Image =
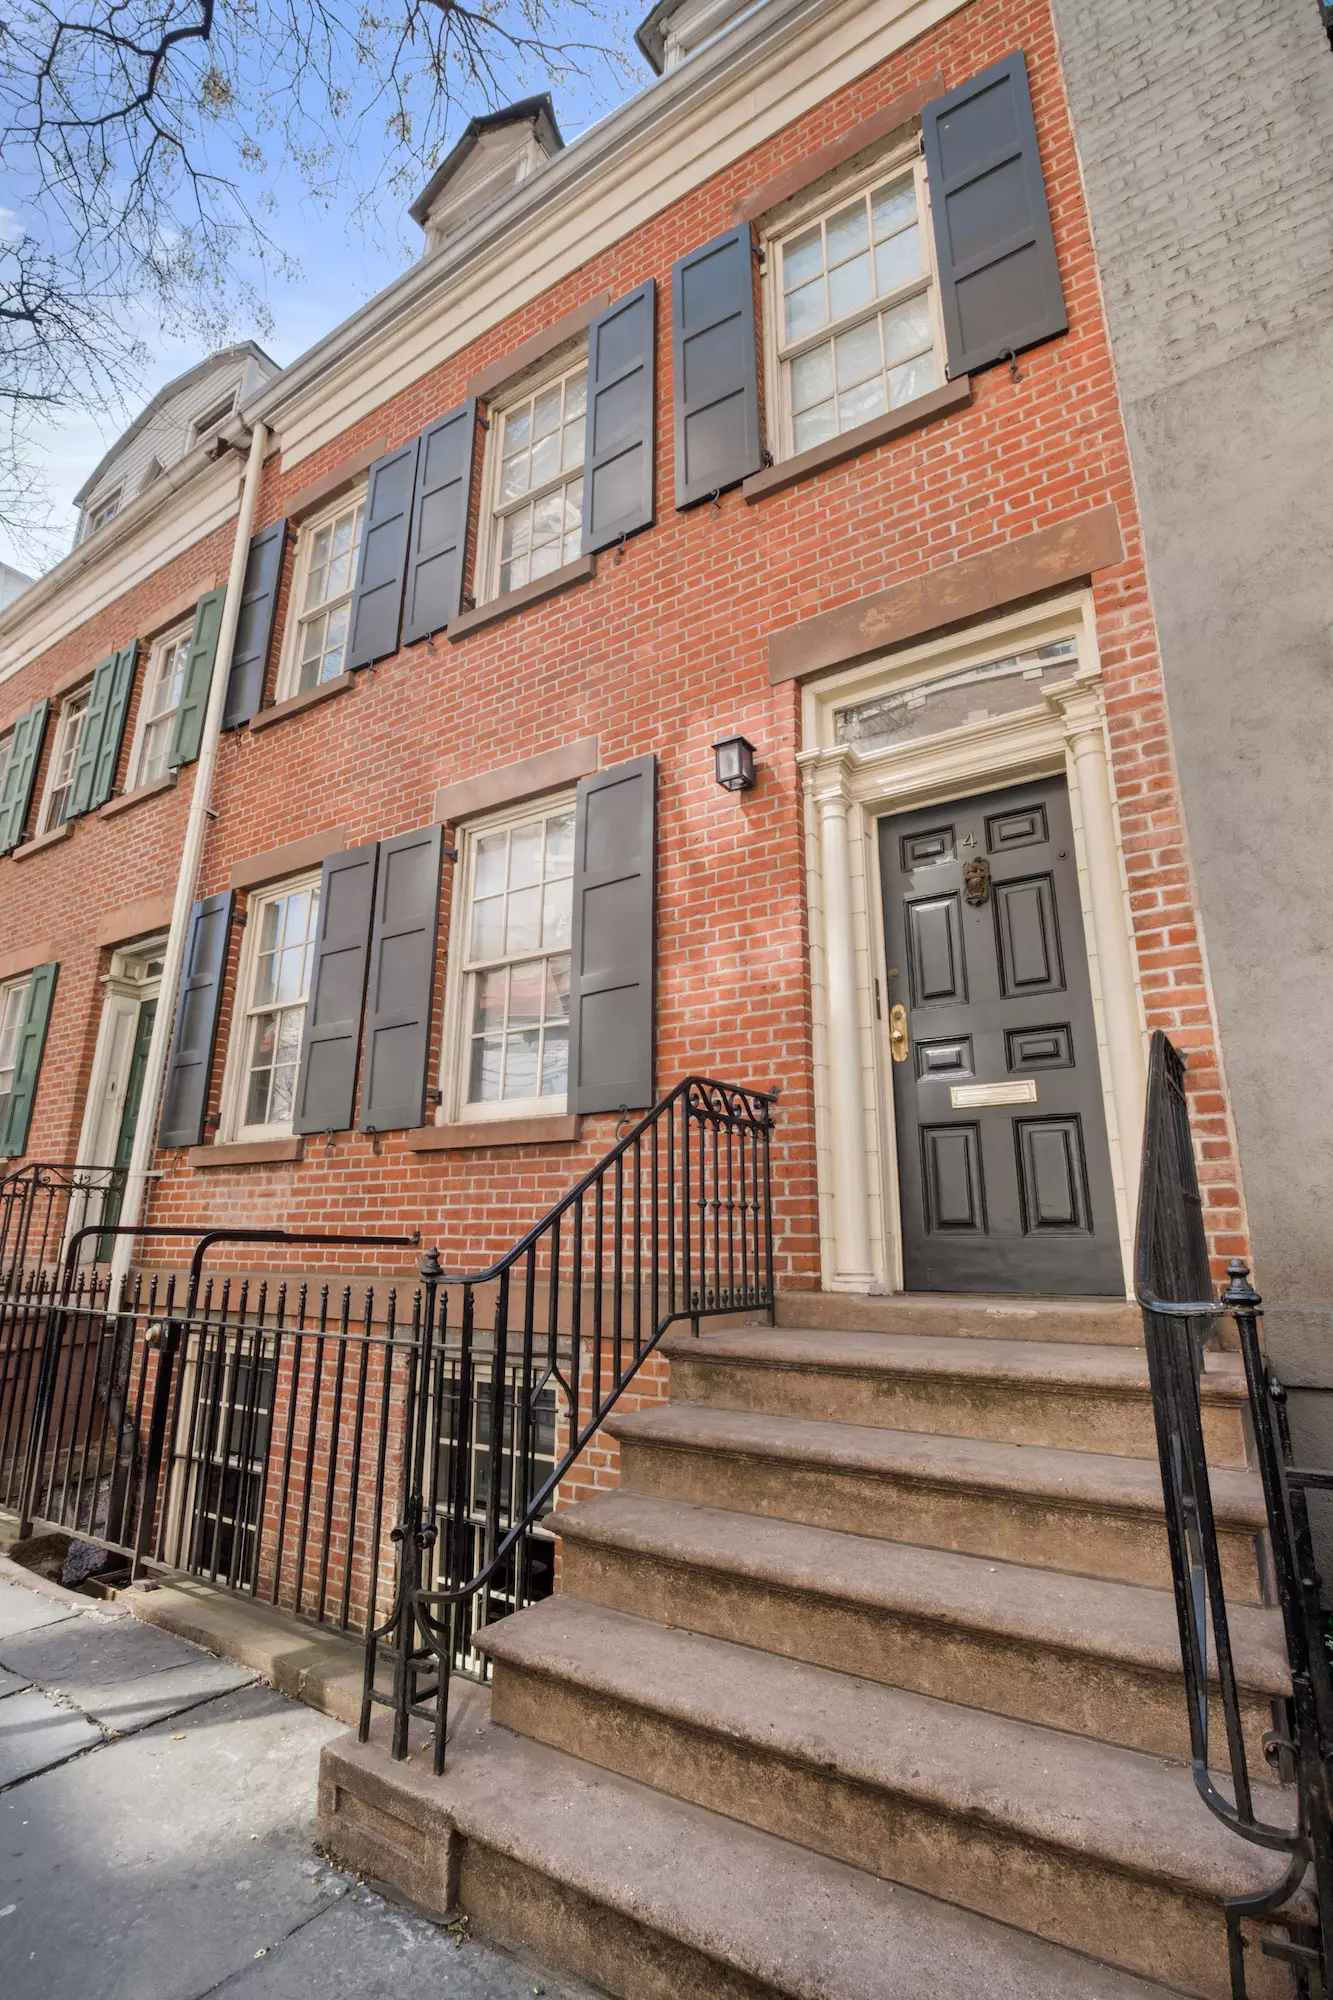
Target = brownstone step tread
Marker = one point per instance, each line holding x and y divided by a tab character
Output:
973	1315
1133	1813
1132	1623
1043	1364
1075	1477
763	1912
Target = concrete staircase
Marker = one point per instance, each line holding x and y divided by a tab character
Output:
864	1683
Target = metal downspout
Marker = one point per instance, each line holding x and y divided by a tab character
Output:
196	829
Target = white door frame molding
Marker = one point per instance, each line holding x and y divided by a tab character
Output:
846	792
125	988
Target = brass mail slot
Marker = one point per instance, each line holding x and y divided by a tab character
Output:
968	1096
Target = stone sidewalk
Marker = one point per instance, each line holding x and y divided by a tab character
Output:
157	1810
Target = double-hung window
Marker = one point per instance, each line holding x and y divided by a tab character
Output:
272	990
13	1005
536	480
157	714
59	783
325	577
511	1005
856	311
104	511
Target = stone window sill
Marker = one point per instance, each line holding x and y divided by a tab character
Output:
581	570
245	1153
43	840
494	1132
297	704
137	796
908	417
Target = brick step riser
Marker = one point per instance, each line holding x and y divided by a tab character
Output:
1087	1537
1145	1925
1118	1423
1136	1707
1045	1319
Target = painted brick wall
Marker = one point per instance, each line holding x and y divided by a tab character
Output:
664	650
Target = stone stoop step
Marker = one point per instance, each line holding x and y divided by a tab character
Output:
1097	1657
1079	1397
1087	1845
651	1898
968	1315
1094	1513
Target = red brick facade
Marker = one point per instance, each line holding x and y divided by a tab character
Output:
663	650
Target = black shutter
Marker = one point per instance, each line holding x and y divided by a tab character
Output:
439	524
999	280
25	750
28	1062
331	1048
187	732
402	981
716	362
198	1004
377	604
611	976
113	726
618	458
254	625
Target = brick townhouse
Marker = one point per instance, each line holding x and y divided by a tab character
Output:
694	622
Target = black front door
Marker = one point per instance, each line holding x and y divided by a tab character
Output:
1003	1168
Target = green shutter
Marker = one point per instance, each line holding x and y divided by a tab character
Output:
28	1062
113	729
90	738
20	771
188	732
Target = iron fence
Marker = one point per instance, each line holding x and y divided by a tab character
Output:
42	1206
674	1224
1175	1290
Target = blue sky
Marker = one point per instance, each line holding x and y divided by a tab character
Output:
340	266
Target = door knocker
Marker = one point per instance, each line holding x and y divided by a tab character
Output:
976	882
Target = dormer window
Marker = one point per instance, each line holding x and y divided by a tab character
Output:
104	510
212	419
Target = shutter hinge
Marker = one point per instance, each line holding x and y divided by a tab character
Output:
483	423
449	854
468	603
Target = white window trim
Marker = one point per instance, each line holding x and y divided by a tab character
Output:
114	500
455	1107
288	661
160	646
567	362
211	419
799	214
80	695
236	1078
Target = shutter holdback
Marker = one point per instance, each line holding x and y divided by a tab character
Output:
1015	372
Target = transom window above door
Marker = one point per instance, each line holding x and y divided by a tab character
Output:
857	333
272	990
161	699
536	480
59	784
326	561
513	1006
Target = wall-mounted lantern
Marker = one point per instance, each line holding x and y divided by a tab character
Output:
733	764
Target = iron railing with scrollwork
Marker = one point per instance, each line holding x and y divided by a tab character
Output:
42	1204
674	1224
1175	1290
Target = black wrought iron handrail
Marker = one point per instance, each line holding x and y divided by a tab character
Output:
674	1223
1174	1288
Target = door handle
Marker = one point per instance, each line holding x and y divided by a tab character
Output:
898	1032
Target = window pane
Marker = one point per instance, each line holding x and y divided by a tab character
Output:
521	1064
487	940
548	517
814	427
515	533
291	974
859	405
557	989
906	330
270	924
560	844
812	377
898	261
858	354
850	286
546	413
524	927
284	1091
847	233
557	904
525	856
573	453
488	1011
803	259
555	1062
805	310
484	1076
527	985
514	477
489	875
914	378
893	208
576	394
546	459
